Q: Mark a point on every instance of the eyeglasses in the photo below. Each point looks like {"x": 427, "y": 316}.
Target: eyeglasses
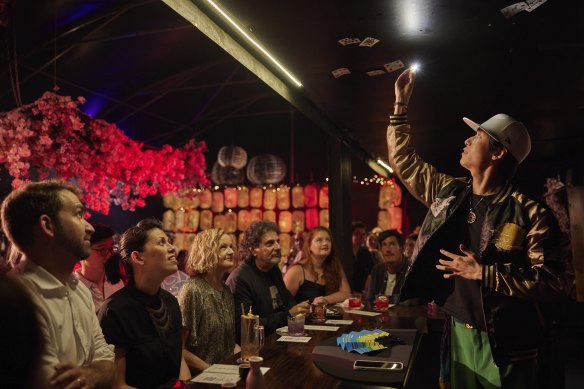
{"x": 106, "y": 251}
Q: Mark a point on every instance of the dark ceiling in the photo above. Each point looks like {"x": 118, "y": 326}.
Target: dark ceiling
{"x": 143, "y": 66}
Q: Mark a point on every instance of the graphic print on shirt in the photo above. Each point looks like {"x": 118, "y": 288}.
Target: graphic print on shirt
{"x": 276, "y": 301}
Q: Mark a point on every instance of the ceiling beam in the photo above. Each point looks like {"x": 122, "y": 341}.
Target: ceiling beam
{"x": 198, "y": 13}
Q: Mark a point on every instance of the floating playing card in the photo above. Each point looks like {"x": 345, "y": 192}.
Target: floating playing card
{"x": 340, "y": 72}
{"x": 369, "y": 42}
{"x": 513, "y": 9}
{"x": 349, "y": 41}
{"x": 373, "y": 73}
{"x": 393, "y": 66}
{"x": 533, "y": 4}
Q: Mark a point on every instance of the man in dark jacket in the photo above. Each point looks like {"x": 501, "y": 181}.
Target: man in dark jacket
{"x": 486, "y": 252}
{"x": 387, "y": 277}
{"x": 258, "y": 283}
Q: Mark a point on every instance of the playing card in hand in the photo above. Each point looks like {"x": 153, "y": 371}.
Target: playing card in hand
{"x": 376, "y": 72}
{"x": 349, "y": 41}
{"x": 369, "y": 42}
{"x": 393, "y": 66}
{"x": 340, "y": 72}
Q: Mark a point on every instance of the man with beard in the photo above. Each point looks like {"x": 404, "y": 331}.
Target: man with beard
{"x": 258, "y": 283}
{"x": 46, "y": 222}
{"x": 387, "y": 277}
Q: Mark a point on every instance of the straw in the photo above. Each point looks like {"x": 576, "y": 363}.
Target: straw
{"x": 242, "y": 309}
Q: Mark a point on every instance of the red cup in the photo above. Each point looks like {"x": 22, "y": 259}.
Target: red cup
{"x": 355, "y": 301}
{"x": 382, "y": 302}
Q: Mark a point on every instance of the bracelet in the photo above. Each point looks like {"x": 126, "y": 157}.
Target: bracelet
{"x": 400, "y": 104}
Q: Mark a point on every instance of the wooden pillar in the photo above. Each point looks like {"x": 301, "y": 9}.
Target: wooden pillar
{"x": 340, "y": 170}
{"x": 575, "y": 191}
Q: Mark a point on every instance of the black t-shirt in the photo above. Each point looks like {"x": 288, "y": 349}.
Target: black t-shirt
{"x": 464, "y": 303}
{"x": 362, "y": 264}
{"x": 148, "y": 328}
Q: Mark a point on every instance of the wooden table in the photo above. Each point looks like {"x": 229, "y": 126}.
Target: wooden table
{"x": 291, "y": 364}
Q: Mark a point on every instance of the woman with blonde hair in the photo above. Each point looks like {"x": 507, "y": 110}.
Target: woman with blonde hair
{"x": 207, "y": 304}
{"x": 318, "y": 277}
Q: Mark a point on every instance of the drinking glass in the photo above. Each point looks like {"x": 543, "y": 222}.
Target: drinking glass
{"x": 296, "y": 325}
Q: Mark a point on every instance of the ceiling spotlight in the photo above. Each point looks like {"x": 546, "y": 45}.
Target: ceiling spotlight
{"x": 415, "y": 67}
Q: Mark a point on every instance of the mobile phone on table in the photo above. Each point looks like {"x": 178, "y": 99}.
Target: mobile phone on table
{"x": 378, "y": 365}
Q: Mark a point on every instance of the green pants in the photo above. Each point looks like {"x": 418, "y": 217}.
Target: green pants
{"x": 472, "y": 365}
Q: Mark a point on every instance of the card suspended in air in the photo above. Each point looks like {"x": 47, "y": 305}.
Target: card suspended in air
{"x": 340, "y": 72}
{"x": 349, "y": 41}
{"x": 393, "y": 66}
{"x": 373, "y": 73}
{"x": 528, "y": 5}
{"x": 369, "y": 42}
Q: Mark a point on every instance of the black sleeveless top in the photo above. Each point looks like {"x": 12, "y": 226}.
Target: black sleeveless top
{"x": 309, "y": 290}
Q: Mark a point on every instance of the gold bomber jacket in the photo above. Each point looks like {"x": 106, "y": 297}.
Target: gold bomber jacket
{"x": 520, "y": 250}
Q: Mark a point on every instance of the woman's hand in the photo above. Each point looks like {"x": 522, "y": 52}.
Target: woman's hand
{"x": 301, "y": 308}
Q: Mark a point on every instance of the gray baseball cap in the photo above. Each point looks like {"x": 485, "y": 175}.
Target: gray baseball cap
{"x": 508, "y": 131}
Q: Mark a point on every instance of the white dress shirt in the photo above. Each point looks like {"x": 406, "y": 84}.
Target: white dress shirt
{"x": 67, "y": 319}
{"x": 96, "y": 293}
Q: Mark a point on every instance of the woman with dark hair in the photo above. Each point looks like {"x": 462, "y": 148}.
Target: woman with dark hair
{"x": 142, "y": 320}
{"x": 319, "y": 276}
{"x": 207, "y": 305}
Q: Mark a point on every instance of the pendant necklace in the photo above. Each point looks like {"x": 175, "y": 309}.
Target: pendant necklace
{"x": 472, "y": 216}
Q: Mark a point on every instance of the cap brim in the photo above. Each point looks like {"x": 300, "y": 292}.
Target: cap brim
{"x": 471, "y": 124}
{"x": 476, "y": 127}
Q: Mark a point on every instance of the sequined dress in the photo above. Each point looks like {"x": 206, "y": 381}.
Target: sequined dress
{"x": 208, "y": 315}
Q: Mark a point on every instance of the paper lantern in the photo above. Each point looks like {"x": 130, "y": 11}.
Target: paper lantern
{"x": 193, "y": 220}
{"x": 231, "y": 226}
{"x": 285, "y": 221}
{"x": 323, "y": 197}
{"x": 297, "y": 221}
{"x": 243, "y": 220}
{"x": 283, "y": 197}
{"x": 217, "y": 204}
{"x": 206, "y": 219}
{"x": 266, "y": 169}
{"x": 220, "y": 221}
{"x": 298, "y": 197}
{"x": 232, "y": 156}
{"x": 190, "y": 202}
{"x": 395, "y": 218}
{"x": 311, "y": 218}
{"x": 255, "y": 215}
{"x": 390, "y": 195}
{"x": 179, "y": 240}
{"x": 226, "y": 175}
{"x": 256, "y": 196}
{"x": 240, "y": 239}
{"x": 323, "y": 217}
{"x": 206, "y": 199}
{"x": 269, "y": 216}
{"x": 169, "y": 200}
{"x": 383, "y": 219}
{"x": 243, "y": 197}
{"x": 230, "y": 197}
{"x": 270, "y": 199}
{"x": 168, "y": 220}
{"x": 179, "y": 219}
{"x": 285, "y": 244}
{"x": 310, "y": 195}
